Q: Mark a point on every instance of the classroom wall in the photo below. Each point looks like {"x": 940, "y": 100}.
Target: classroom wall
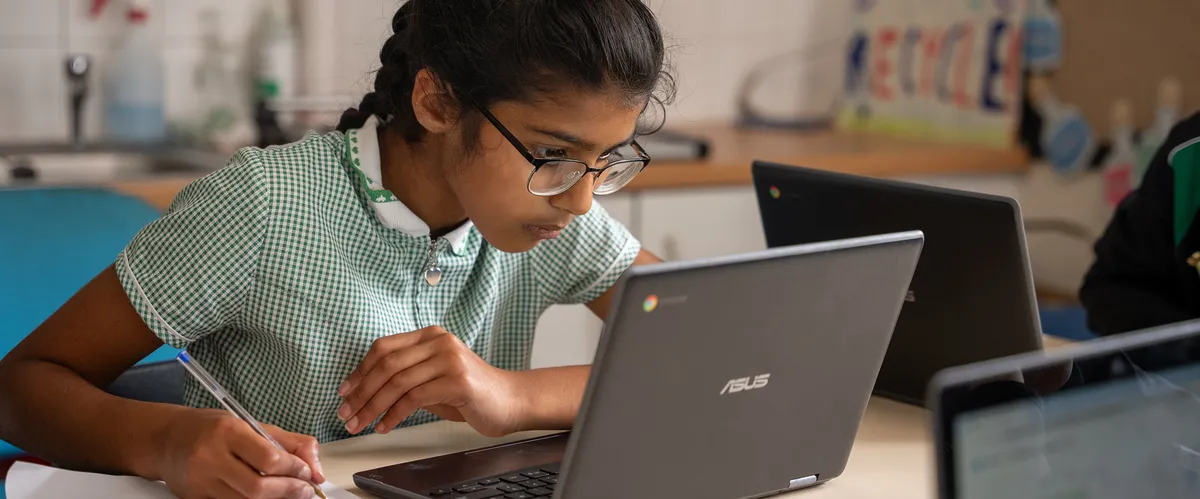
{"x": 36, "y": 35}
{"x": 714, "y": 43}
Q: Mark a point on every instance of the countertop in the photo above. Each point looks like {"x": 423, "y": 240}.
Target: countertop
{"x": 732, "y": 150}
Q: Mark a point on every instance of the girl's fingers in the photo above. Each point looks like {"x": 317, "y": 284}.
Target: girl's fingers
{"x": 395, "y": 389}
{"x": 435, "y": 392}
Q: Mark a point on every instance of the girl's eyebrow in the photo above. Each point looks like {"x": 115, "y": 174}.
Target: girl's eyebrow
{"x": 627, "y": 141}
{"x": 578, "y": 142}
{"x": 566, "y": 137}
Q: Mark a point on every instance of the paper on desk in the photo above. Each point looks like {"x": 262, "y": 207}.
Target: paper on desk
{"x": 34, "y": 481}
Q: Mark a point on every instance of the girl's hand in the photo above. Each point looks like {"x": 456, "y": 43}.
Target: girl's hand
{"x": 212, "y": 453}
{"x": 428, "y": 368}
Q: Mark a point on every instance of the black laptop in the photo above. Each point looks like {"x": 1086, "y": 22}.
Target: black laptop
{"x": 1117, "y": 417}
{"x": 972, "y": 296}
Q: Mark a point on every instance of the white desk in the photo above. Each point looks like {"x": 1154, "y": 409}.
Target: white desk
{"x": 892, "y": 456}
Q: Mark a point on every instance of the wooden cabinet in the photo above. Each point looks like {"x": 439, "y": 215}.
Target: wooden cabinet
{"x": 673, "y": 224}
{"x": 568, "y": 334}
{"x": 688, "y": 224}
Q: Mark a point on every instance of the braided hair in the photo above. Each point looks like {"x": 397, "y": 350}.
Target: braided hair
{"x": 501, "y": 50}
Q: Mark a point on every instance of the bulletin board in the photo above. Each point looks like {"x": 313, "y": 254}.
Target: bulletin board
{"x": 947, "y": 70}
{"x": 1122, "y": 49}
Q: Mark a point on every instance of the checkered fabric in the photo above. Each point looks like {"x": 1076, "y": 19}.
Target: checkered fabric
{"x": 278, "y": 271}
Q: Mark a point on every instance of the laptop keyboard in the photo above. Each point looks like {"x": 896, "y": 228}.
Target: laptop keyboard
{"x": 532, "y": 483}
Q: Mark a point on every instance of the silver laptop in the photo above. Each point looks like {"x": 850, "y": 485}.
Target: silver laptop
{"x": 1114, "y": 418}
{"x": 735, "y": 377}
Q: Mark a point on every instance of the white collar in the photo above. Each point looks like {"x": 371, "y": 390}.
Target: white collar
{"x": 363, "y": 148}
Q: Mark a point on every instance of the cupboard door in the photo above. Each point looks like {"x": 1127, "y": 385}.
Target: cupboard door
{"x": 568, "y": 334}
{"x": 700, "y": 223}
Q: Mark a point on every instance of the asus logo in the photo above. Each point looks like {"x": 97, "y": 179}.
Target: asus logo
{"x": 743, "y": 384}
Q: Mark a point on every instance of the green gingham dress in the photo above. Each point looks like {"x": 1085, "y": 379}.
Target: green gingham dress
{"x": 278, "y": 271}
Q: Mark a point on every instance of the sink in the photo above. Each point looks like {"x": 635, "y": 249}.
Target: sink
{"x": 29, "y": 164}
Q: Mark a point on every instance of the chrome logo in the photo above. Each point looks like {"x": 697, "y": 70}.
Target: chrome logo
{"x": 651, "y": 303}
{"x": 774, "y": 192}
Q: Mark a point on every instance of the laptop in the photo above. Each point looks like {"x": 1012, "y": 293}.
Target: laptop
{"x": 1117, "y": 417}
{"x": 735, "y": 377}
{"x": 972, "y": 296}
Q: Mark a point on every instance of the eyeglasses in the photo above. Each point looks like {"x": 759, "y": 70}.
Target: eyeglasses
{"x": 554, "y": 176}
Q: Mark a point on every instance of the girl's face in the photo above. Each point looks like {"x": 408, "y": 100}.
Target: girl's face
{"x": 492, "y": 188}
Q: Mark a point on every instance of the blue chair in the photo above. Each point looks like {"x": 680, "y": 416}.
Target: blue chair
{"x": 1063, "y": 318}
{"x": 1065, "y": 321}
{"x": 52, "y": 242}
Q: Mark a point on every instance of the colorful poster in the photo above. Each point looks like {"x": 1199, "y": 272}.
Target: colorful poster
{"x": 948, "y": 70}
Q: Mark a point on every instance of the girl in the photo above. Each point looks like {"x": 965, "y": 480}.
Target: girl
{"x": 382, "y": 275}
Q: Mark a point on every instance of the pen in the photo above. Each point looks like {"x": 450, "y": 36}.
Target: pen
{"x": 222, "y": 396}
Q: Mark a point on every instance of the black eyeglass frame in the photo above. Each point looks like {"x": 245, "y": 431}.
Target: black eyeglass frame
{"x": 538, "y": 163}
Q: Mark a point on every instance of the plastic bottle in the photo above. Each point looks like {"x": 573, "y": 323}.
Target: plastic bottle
{"x": 221, "y": 117}
{"x": 133, "y": 87}
{"x": 1122, "y": 161}
{"x": 1166, "y": 115}
{"x": 277, "y": 75}
{"x": 1043, "y": 37}
{"x": 1067, "y": 140}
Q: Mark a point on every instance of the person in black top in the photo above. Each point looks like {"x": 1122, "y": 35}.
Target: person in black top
{"x": 1147, "y": 267}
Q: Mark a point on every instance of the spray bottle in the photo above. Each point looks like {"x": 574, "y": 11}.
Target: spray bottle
{"x": 133, "y": 87}
{"x": 1043, "y": 37}
{"x": 1119, "y": 166}
{"x": 1170, "y": 98}
{"x": 1067, "y": 140}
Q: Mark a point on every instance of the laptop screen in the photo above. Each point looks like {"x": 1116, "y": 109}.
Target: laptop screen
{"x": 1117, "y": 425}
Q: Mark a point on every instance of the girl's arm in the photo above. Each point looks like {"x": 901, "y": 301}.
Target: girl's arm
{"x": 553, "y": 395}
{"x": 51, "y": 406}
{"x": 430, "y": 368}
{"x": 49, "y": 401}
{"x": 600, "y": 305}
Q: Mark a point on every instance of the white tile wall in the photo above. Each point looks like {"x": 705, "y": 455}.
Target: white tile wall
{"x": 362, "y": 26}
{"x": 182, "y": 19}
{"x": 36, "y": 35}
{"x": 717, "y": 42}
{"x": 38, "y": 110}
{"x": 30, "y": 23}
{"x": 714, "y": 43}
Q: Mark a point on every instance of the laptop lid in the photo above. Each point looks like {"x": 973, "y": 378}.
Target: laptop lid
{"x": 1113, "y": 418}
{"x": 972, "y": 296}
{"x": 738, "y": 376}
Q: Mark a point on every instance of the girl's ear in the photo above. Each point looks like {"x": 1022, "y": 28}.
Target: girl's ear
{"x": 433, "y": 106}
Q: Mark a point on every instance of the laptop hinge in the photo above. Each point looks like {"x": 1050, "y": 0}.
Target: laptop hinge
{"x": 802, "y": 482}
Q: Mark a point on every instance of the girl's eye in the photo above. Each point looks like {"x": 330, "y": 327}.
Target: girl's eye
{"x": 548, "y": 152}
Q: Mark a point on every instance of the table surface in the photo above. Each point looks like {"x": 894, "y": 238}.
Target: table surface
{"x": 892, "y": 455}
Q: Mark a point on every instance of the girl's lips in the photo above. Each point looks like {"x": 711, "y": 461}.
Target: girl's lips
{"x": 543, "y": 232}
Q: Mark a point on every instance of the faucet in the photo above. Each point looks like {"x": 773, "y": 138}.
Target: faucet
{"x": 78, "y": 66}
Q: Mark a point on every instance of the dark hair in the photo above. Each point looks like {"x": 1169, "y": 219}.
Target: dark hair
{"x": 499, "y": 50}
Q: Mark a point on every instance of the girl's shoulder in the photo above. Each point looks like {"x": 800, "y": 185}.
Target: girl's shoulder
{"x": 311, "y": 157}
{"x": 312, "y": 166}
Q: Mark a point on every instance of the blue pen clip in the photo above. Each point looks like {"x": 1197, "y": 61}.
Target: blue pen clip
{"x": 222, "y": 396}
